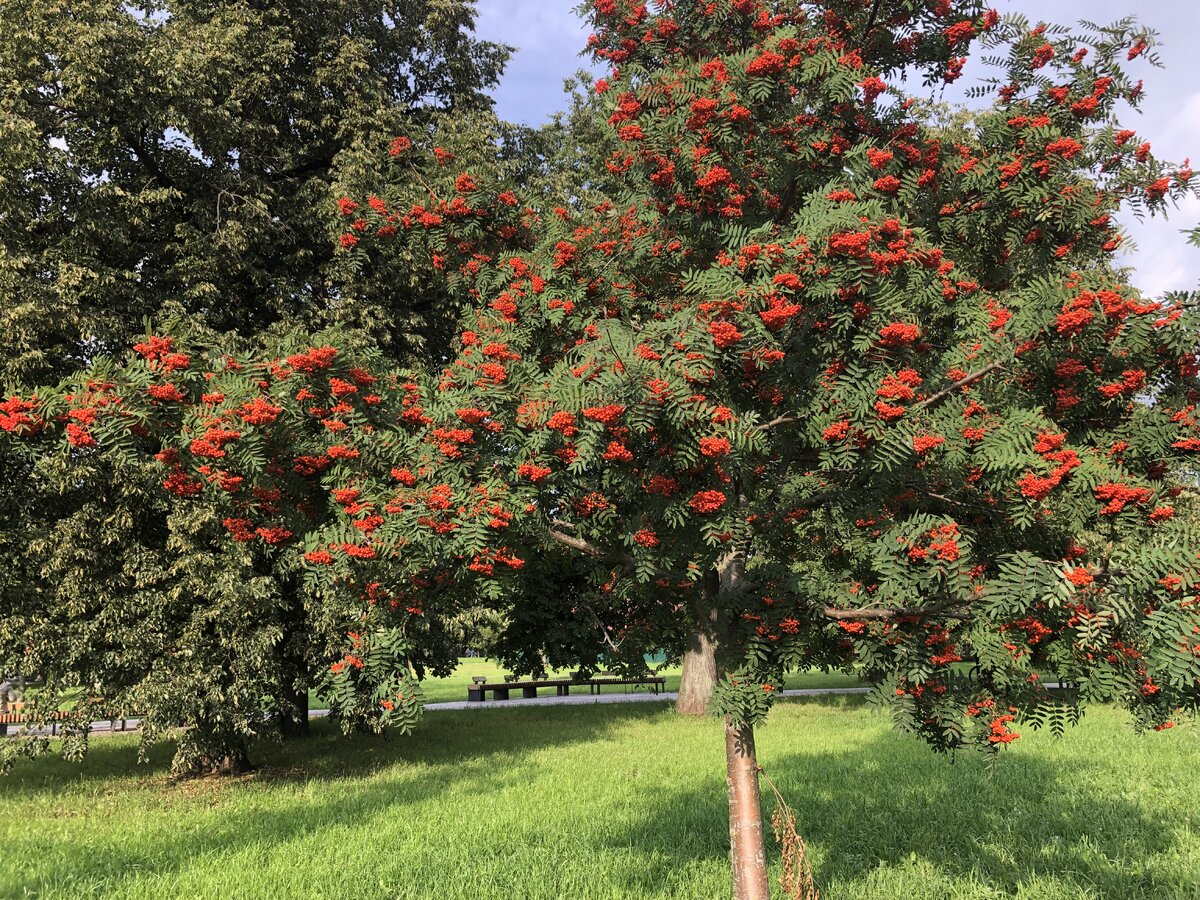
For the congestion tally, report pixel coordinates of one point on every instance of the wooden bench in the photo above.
(655, 682)
(18, 718)
(528, 688)
(477, 691)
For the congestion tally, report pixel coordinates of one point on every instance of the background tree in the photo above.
(180, 160)
(179, 157)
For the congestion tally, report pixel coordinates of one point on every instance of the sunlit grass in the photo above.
(612, 801)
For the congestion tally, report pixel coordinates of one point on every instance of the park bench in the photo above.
(17, 717)
(477, 690)
(654, 682)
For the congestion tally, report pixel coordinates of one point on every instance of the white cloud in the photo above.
(549, 38)
(1163, 259)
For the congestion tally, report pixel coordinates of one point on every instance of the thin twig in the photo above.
(779, 420)
(884, 614)
(603, 629)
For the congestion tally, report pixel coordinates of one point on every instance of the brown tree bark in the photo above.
(699, 675)
(700, 666)
(233, 761)
(747, 849)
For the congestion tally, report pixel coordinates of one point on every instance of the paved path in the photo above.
(572, 700)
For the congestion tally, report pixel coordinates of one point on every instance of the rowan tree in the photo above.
(819, 383)
(837, 386)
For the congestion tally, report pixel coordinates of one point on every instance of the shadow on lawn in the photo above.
(477, 748)
(884, 801)
(892, 802)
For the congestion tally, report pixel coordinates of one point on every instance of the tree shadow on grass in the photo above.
(872, 803)
(326, 753)
(481, 749)
(890, 802)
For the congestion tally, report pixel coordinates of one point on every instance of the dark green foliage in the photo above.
(180, 160)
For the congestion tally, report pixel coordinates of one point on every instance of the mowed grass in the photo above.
(454, 686)
(612, 801)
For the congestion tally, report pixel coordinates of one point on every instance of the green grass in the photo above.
(454, 687)
(607, 802)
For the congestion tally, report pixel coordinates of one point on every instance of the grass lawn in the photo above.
(611, 801)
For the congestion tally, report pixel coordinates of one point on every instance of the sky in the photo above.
(549, 36)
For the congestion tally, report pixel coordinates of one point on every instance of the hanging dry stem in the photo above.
(796, 879)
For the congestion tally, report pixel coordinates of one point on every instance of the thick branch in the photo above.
(969, 380)
(882, 614)
(580, 545)
(313, 166)
(137, 145)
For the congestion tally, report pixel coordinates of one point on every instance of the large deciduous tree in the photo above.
(830, 382)
(173, 156)
(820, 382)
(181, 160)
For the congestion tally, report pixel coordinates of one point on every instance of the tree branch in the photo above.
(310, 167)
(143, 155)
(778, 420)
(786, 201)
(961, 383)
(603, 629)
(883, 614)
(871, 19)
(580, 545)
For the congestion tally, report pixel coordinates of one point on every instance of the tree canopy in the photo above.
(180, 161)
(181, 157)
(821, 380)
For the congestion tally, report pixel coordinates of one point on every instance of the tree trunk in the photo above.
(699, 676)
(745, 815)
(724, 586)
(235, 763)
(232, 761)
(700, 670)
(293, 718)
